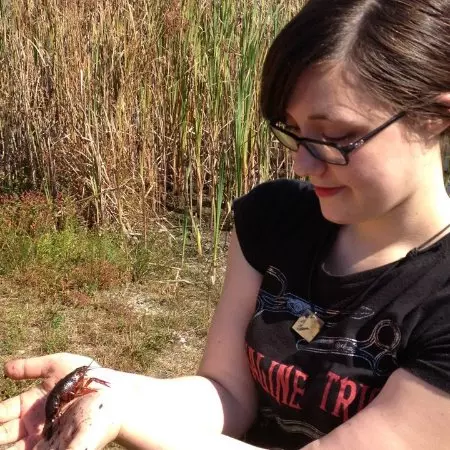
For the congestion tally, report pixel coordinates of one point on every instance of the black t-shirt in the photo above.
(374, 321)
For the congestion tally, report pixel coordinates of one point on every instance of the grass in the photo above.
(156, 327)
(134, 306)
(142, 324)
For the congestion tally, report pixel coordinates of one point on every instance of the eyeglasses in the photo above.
(329, 152)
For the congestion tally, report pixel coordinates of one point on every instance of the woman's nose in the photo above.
(306, 164)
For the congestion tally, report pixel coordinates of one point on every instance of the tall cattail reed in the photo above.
(135, 106)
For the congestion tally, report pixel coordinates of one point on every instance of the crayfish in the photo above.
(75, 384)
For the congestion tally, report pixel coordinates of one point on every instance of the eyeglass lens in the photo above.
(322, 152)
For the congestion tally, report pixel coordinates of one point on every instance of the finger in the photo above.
(25, 368)
(12, 431)
(45, 366)
(25, 444)
(10, 409)
(13, 407)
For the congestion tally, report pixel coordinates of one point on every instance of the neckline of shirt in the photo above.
(439, 246)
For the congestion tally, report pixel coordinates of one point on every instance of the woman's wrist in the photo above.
(143, 418)
(152, 413)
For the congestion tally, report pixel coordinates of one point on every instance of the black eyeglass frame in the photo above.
(344, 150)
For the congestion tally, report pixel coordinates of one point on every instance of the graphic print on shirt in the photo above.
(303, 393)
(378, 349)
(299, 384)
(275, 298)
(288, 385)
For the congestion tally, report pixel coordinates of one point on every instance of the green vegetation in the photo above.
(131, 306)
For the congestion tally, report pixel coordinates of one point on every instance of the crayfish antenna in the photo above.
(89, 366)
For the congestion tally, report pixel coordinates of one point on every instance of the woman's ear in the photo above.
(444, 99)
(434, 127)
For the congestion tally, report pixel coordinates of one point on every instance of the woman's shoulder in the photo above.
(282, 185)
(273, 216)
(283, 197)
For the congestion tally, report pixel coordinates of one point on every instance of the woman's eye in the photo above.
(342, 138)
(292, 129)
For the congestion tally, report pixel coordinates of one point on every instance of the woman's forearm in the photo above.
(181, 439)
(160, 413)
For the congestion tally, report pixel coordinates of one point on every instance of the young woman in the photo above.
(333, 329)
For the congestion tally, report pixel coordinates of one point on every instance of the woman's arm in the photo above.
(408, 414)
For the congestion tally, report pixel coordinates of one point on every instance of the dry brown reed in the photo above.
(134, 106)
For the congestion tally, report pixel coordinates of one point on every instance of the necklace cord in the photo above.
(422, 246)
(412, 253)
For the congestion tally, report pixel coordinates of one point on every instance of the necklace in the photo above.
(308, 325)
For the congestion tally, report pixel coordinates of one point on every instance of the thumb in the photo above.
(42, 366)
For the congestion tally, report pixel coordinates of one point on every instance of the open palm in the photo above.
(22, 417)
(89, 422)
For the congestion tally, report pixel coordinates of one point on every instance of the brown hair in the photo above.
(398, 50)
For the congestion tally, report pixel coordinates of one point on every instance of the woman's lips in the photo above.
(327, 191)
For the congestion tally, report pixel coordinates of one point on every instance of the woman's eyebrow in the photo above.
(318, 117)
(331, 117)
(338, 118)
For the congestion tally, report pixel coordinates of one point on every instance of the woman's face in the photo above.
(382, 173)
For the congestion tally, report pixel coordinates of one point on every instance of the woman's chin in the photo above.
(335, 214)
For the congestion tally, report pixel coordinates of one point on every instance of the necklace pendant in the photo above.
(308, 326)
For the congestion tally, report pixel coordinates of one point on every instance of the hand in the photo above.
(22, 417)
(88, 423)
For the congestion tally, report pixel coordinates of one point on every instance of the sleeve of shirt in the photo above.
(428, 352)
(268, 214)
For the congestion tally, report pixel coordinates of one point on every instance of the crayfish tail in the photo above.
(47, 432)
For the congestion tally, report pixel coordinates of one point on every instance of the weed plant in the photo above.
(136, 107)
(40, 246)
(129, 305)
